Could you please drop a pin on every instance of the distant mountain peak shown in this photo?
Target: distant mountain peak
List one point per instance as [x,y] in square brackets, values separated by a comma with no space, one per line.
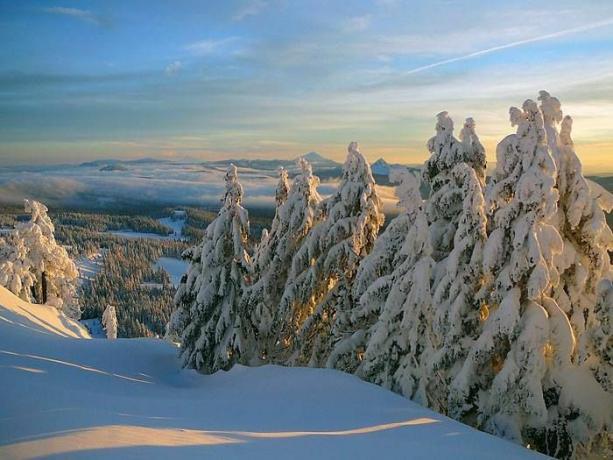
[314,156]
[380,167]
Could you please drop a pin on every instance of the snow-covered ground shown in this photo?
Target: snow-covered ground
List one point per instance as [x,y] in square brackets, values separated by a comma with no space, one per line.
[89,267]
[175,223]
[64,396]
[174,267]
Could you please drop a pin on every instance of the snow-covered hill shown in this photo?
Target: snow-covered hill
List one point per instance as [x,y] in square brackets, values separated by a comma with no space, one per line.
[64,395]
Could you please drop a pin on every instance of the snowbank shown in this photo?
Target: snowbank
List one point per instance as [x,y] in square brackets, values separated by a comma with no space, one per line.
[66,397]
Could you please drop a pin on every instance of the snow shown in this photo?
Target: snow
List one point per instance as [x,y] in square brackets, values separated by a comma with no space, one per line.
[175,268]
[89,267]
[176,222]
[65,396]
[137,235]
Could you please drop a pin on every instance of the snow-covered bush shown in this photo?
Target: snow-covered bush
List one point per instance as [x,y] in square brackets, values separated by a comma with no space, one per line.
[208,299]
[317,298]
[37,269]
[109,322]
[295,215]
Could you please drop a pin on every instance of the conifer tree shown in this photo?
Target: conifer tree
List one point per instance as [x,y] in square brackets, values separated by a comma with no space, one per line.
[317,297]
[444,208]
[109,322]
[456,321]
[208,299]
[399,335]
[582,224]
[526,335]
[374,279]
[35,267]
[295,215]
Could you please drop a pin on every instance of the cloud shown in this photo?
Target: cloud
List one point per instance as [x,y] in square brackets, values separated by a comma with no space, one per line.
[82,15]
[551,36]
[251,8]
[173,68]
[357,24]
[209,46]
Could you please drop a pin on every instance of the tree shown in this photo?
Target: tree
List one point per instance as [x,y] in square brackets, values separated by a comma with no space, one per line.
[399,337]
[295,215]
[582,224]
[109,322]
[317,298]
[374,280]
[456,321]
[444,208]
[37,269]
[208,299]
[507,382]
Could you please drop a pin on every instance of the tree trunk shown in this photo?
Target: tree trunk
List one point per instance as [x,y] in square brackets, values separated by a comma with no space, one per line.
[44,288]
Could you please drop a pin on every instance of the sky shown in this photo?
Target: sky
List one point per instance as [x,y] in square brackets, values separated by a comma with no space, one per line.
[81,80]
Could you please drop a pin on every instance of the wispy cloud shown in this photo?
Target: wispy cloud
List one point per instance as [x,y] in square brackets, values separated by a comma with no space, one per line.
[551,36]
[251,8]
[357,23]
[82,15]
[209,46]
[173,68]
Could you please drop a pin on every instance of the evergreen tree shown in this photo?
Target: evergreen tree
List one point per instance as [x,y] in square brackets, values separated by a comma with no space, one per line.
[208,300]
[400,334]
[374,280]
[109,322]
[295,215]
[444,208]
[582,224]
[317,298]
[510,382]
[456,321]
[37,269]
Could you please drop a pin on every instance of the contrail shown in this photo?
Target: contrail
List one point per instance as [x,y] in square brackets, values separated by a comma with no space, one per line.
[540,38]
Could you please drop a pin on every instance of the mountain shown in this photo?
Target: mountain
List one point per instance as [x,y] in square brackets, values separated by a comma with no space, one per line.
[380,167]
[66,395]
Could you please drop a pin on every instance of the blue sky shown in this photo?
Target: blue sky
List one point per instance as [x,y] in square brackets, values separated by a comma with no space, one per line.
[276,78]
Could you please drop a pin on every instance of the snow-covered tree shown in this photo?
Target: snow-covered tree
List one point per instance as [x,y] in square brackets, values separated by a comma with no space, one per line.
[37,269]
[510,382]
[457,299]
[474,152]
[317,298]
[295,215]
[109,322]
[374,280]
[446,152]
[582,224]
[208,299]
[393,354]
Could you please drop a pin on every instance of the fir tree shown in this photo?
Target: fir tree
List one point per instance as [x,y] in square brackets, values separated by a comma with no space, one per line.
[35,267]
[456,321]
[400,334]
[317,297]
[374,280]
[208,301]
[582,224]
[295,215]
[109,322]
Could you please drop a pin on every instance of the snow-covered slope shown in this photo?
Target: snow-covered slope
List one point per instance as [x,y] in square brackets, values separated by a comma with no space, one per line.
[65,397]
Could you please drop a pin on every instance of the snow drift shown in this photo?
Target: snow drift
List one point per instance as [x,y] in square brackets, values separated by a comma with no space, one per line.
[64,395]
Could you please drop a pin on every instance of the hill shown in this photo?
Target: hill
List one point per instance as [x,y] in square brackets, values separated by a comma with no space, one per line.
[65,395]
